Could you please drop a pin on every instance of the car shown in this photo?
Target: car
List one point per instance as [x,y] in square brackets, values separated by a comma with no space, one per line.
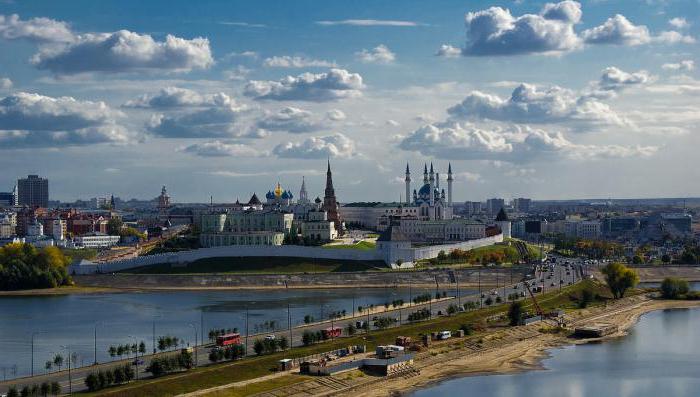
[442,335]
[270,337]
[136,361]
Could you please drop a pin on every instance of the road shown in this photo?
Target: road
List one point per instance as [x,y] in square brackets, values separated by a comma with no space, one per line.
[547,276]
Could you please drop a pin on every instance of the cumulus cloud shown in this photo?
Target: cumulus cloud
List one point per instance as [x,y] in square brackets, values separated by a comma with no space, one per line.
[175,97]
[532,104]
[685,65]
[520,144]
[448,51]
[289,119]
[33,120]
[616,79]
[239,73]
[495,31]
[333,85]
[208,122]
[337,145]
[335,115]
[124,51]
[296,62]
[679,23]
[5,83]
[619,30]
[219,148]
[40,30]
[379,54]
[368,22]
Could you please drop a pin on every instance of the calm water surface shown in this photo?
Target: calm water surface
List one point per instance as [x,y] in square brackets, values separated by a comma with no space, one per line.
[121,317]
[660,357]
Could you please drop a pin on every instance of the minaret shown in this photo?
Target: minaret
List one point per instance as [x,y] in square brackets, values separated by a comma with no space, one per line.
[437,180]
[431,182]
[425,173]
[408,185]
[449,185]
[303,196]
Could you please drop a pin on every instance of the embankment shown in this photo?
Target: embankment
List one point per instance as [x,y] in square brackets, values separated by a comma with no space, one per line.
[467,278]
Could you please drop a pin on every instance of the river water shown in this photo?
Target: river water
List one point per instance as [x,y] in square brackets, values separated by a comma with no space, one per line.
[659,357]
[121,318]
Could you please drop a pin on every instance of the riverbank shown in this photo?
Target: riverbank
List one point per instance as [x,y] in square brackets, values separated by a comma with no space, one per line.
[76,289]
[524,353]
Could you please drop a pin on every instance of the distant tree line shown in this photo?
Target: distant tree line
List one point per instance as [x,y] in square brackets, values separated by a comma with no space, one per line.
[43,389]
[23,266]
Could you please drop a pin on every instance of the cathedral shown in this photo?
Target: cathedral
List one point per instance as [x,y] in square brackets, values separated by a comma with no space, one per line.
[430,199]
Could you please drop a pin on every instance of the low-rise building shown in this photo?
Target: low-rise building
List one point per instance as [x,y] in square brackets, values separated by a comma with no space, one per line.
[95,240]
[318,227]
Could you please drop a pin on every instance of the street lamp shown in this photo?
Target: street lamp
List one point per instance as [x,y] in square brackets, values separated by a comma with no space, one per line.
[96,325]
[196,354]
[136,362]
[70,380]
[33,334]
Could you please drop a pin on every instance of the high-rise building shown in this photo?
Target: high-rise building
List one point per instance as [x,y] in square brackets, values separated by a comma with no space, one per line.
[7,199]
[330,205]
[33,191]
[521,204]
[494,205]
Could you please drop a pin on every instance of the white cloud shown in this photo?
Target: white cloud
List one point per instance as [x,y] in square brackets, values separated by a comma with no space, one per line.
[685,65]
[296,62]
[124,51]
[33,120]
[369,22]
[289,119]
[520,144]
[175,97]
[495,31]
[335,115]
[532,104]
[208,122]
[616,79]
[5,83]
[619,30]
[239,73]
[221,149]
[40,30]
[679,23]
[337,145]
[243,24]
[392,123]
[379,54]
[448,51]
[333,85]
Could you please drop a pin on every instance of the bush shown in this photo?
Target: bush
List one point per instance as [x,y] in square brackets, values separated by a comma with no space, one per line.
[160,366]
[384,322]
[488,301]
[674,288]
[587,297]
[419,315]
[467,328]
[452,309]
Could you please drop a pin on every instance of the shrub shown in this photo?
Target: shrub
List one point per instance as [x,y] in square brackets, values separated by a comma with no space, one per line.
[515,313]
[674,288]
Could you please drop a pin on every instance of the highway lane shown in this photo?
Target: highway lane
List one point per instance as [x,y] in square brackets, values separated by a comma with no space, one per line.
[546,276]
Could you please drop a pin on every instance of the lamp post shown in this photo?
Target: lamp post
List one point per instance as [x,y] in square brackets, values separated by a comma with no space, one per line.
[96,325]
[34,334]
[70,380]
[196,354]
[136,362]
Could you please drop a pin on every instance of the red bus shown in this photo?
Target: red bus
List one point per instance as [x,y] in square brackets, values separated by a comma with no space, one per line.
[228,339]
[331,332]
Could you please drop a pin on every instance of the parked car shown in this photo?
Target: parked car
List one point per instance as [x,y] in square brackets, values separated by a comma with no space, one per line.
[442,335]
[270,337]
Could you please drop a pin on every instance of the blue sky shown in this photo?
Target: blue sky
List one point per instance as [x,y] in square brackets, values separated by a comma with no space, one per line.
[546,100]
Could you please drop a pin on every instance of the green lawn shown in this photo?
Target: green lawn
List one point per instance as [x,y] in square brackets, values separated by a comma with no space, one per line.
[259,366]
[262,265]
[79,254]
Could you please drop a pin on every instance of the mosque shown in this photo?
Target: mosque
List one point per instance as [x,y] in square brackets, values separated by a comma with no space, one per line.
[430,200]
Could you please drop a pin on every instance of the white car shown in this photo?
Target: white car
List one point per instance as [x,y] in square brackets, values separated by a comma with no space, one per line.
[270,337]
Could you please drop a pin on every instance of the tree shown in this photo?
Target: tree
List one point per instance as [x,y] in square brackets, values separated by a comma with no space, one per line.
[112,351]
[283,343]
[666,258]
[586,297]
[114,226]
[619,278]
[45,389]
[350,329]
[673,288]
[637,260]
[55,388]
[142,348]
[25,392]
[12,392]
[442,256]
[48,365]
[258,347]
[515,313]
[488,301]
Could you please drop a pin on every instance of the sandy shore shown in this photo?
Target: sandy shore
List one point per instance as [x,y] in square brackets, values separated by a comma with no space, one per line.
[521,355]
[78,290]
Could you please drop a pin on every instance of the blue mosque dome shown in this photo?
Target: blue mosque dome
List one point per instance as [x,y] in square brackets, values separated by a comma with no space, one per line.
[285,195]
[424,191]
[270,195]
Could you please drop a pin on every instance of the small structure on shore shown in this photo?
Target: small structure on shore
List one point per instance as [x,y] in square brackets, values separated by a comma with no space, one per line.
[598,330]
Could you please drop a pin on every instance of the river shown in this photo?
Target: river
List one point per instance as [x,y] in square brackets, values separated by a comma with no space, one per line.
[121,318]
[659,357]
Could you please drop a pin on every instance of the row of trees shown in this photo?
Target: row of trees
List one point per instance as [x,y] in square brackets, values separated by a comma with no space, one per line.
[168,342]
[99,380]
[44,389]
[160,366]
[232,352]
[121,350]
[269,346]
[597,249]
[23,266]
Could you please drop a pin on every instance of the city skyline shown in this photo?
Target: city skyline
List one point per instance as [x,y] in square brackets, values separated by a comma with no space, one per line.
[597,100]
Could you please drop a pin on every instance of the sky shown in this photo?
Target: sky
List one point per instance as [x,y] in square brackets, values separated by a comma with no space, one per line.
[591,99]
